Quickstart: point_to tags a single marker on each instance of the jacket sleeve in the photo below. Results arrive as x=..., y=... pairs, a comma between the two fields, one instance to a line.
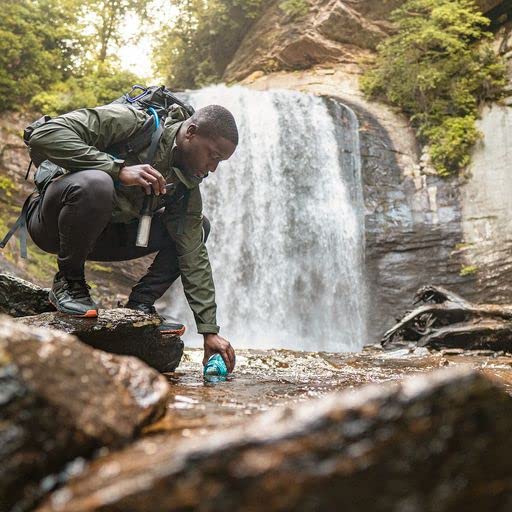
x=77, y=141
x=194, y=264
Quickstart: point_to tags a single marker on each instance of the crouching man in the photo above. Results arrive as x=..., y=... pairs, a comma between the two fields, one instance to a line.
x=91, y=212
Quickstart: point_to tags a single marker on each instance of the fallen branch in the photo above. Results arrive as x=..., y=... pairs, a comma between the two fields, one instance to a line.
x=444, y=319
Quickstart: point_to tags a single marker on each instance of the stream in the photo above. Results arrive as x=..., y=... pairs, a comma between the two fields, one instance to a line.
x=267, y=378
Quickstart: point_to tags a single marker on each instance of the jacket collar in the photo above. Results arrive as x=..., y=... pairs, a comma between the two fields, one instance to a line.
x=165, y=156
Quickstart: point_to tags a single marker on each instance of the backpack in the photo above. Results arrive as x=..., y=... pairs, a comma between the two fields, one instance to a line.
x=156, y=100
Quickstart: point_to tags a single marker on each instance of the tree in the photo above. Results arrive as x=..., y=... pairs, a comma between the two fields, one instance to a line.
x=37, y=47
x=438, y=68
x=106, y=18
x=196, y=49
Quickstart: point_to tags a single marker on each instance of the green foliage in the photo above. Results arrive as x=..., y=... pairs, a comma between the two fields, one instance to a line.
x=437, y=68
x=37, y=47
x=105, y=19
x=7, y=187
x=205, y=35
x=47, y=60
x=468, y=270
x=294, y=8
x=89, y=90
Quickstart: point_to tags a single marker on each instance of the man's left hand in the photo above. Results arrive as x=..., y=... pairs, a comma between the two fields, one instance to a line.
x=215, y=344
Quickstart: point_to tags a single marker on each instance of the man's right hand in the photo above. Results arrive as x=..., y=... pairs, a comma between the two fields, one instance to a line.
x=144, y=176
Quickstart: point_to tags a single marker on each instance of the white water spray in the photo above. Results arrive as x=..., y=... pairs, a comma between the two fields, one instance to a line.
x=287, y=239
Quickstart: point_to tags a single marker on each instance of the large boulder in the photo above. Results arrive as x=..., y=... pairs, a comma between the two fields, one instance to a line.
x=120, y=331
x=439, y=442
x=22, y=298
x=60, y=399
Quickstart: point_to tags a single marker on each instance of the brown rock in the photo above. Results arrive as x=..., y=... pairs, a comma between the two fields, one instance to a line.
x=60, y=399
x=21, y=298
x=121, y=331
x=332, y=31
x=343, y=24
x=488, y=5
x=308, y=50
x=434, y=442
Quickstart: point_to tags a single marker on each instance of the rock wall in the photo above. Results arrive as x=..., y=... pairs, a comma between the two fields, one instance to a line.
x=486, y=195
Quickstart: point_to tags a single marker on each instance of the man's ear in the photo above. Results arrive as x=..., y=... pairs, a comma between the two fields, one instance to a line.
x=191, y=131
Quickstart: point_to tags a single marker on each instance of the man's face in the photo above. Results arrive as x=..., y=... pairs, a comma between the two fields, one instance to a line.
x=201, y=154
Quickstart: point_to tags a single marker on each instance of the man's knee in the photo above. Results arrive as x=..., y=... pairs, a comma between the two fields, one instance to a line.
x=94, y=187
x=206, y=228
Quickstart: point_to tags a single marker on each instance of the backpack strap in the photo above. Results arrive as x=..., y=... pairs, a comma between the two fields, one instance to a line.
x=21, y=225
x=153, y=146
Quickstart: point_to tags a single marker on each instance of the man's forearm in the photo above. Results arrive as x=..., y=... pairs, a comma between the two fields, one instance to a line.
x=197, y=279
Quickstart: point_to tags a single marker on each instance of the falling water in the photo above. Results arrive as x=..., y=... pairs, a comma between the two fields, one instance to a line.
x=287, y=237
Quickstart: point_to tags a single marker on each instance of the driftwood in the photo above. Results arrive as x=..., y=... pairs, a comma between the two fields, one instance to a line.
x=443, y=319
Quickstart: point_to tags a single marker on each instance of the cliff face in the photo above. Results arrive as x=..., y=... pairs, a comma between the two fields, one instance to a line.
x=486, y=195
x=333, y=31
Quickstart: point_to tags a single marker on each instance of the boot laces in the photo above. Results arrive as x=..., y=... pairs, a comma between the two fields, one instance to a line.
x=78, y=288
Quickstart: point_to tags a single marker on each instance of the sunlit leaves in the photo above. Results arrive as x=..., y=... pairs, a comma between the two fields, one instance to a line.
x=437, y=68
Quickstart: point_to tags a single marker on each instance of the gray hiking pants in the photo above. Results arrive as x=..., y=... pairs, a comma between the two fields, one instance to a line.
x=73, y=218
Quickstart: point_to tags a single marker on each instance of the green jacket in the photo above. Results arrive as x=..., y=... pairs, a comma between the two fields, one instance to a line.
x=77, y=141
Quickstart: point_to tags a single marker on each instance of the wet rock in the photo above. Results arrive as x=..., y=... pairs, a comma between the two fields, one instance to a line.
x=21, y=298
x=60, y=399
x=433, y=442
x=120, y=331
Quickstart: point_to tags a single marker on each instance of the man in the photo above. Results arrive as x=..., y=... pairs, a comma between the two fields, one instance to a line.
x=91, y=212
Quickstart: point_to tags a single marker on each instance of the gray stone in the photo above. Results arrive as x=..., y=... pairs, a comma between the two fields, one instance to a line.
x=21, y=298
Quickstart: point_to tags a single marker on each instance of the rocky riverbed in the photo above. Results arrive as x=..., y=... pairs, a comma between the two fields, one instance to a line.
x=279, y=433
x=83, y=430
x=264, y=379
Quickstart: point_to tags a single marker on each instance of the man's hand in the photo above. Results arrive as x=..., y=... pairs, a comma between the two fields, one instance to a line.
x=215, y=344
x=144, y=176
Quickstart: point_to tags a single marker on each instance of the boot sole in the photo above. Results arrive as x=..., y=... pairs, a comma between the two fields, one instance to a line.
x=175, y=332
x=90, y=313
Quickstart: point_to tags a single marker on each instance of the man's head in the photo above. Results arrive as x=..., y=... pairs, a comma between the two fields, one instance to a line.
x=205, y=139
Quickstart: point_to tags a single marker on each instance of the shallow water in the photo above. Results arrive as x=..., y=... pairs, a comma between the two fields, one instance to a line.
x=269, y=378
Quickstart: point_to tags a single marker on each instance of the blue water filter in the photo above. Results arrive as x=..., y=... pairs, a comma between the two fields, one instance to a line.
x=215, y=369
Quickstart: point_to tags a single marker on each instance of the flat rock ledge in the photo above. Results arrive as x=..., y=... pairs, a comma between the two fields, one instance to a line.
x=435, y=442
x=120, y=331
x=21, y=298
x=60, y=399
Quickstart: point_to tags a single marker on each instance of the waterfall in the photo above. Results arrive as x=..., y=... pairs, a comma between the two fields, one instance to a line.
x=287, y=239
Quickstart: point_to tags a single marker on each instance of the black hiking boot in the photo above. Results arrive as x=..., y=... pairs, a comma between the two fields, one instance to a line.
x=168, y=328
x=71, y=296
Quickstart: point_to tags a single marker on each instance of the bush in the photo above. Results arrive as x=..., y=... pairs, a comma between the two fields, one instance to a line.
x=294, y=8
x=438, y=68
x=37, y=47
x=197, y=48
x=97, y=88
